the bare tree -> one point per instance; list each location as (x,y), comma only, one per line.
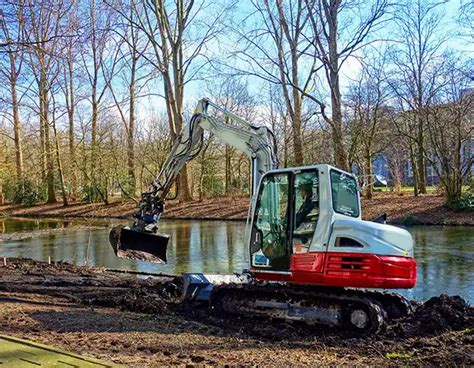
(275,49)
(466,19)
(414,75)
(179,33)
(70,66)
(368,99)
(396,154)
(337,34)
(44,26)
(99,59)
(58,152)
(450,128)
(134,74)
(277,116)
(10,69)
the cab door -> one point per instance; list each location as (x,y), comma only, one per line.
(306,209)
(270,245)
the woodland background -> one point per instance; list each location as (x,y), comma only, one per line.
(93,93)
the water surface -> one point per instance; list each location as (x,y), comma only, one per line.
(445,255)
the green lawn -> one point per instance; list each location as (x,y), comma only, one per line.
(430,189)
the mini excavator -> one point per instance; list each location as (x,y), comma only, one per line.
(312,258)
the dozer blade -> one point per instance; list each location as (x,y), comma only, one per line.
(138,245)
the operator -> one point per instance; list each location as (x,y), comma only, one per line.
(306,193)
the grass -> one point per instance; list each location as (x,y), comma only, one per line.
(398,356)
(430,189)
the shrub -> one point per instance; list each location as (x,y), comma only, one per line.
(464,203)
(90,194)
(24,192)
(212,186)
(410,220)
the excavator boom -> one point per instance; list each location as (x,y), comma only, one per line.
(142,241)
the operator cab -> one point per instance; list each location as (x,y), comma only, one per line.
(292,211)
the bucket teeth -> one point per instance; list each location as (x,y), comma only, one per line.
(137,245)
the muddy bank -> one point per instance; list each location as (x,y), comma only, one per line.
(29,234)
(141,322)
(422,210)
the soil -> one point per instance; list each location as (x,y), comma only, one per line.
(423,210)
(141,322)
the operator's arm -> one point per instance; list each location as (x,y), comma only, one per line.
(304,210)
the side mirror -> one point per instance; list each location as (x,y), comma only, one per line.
(381,219)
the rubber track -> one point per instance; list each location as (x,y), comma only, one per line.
(381,305)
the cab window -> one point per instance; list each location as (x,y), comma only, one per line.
(269,246)
(345,199)
(306,209)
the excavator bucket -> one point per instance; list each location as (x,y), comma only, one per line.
(136,245)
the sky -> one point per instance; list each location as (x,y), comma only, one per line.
(349,71)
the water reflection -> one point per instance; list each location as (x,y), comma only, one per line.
(195,246)
(10,225)
(445,255)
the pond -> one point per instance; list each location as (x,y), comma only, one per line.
(445,255)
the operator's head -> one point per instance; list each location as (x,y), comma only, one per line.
(305,190)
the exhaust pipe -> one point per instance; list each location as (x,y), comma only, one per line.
(139,245)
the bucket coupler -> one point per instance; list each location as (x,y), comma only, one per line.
(199,286)
(139,245)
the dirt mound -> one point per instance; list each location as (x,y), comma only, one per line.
(27,266)
(153,299)
(438,314)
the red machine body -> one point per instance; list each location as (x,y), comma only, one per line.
(346,270)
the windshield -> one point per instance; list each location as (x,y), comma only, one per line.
(344,194)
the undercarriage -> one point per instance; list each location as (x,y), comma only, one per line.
(357,310)
(361,311)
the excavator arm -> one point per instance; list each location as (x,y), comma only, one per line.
(142,240)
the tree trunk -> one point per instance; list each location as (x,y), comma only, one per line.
(285,145)
(227,169)
(58,162)
(201,183)
(368,172)
(184,195)
(414,171)
(297,141)
(44,117)
(93,155)
(49,165)
(395,172)
(201,173)
(421,159)
(2,154)
(70,106)
(130,131)
(12,76)
(340,155)
(42,145)
(16,127)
